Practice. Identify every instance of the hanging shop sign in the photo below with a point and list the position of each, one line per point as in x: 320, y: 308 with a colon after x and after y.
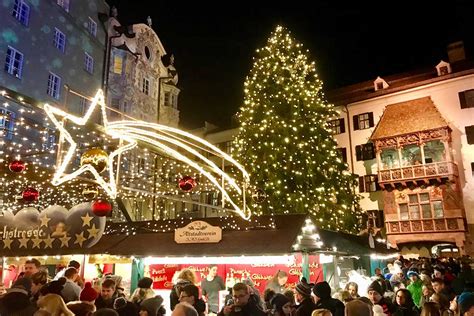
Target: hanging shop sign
x: 198, y: 232
x: 53, y: 228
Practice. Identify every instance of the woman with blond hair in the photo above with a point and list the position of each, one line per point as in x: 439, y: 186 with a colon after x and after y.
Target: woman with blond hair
x: 54, y: 304
x: 184, y: 277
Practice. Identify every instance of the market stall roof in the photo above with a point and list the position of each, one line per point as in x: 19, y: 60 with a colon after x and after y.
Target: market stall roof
x: 262, y: 235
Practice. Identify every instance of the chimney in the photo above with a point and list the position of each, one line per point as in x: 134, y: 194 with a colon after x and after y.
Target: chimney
x: 456, y: 52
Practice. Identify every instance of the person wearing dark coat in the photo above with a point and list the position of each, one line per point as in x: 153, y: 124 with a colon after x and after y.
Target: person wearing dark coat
x: 375, y: 294
x: 303, y: 296
x: 17, y: 300
x: 124, y: 307
x: 323, y: 299
x: 244, y: 303
x: 190, y: 295
x: 404, y: 305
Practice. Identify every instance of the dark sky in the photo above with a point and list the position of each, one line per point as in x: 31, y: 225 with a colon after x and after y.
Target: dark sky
x: 351, y: 42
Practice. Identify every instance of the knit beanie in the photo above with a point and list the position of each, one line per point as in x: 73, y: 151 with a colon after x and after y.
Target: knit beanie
x: 375, y: 286
x: 358, y: 308
x: 303, y: 287
x: 145, y: 283
x: 322, y: 290
x: 465, y: 301
x: 278, y: 301
x: 152, y: 305
x: 88, y: 293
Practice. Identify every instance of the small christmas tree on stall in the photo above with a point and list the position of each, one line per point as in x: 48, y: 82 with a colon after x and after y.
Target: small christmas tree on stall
x: 285, y: 141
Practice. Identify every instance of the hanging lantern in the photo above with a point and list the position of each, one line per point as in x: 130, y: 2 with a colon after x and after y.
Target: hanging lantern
x: 17, y: 166
x: 101, y: 208
x: 90, y: 192
x: 95, y: 157
x: 30, y: 195
x: 187, y: 183
x: 258, y: 196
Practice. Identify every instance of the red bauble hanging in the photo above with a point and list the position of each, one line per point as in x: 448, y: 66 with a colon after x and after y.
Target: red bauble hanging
x: 17, y: 166
x: 187, y: 183
x: 101, y: 208
x: 30, y: 195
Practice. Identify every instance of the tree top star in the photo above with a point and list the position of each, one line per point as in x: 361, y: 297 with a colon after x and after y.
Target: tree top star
x: 60, y: 176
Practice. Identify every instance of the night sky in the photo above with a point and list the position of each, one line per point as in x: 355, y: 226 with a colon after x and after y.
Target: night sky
x: 351, y: 42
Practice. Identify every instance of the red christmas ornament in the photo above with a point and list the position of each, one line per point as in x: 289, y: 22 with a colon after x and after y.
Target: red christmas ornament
x: 101, y: 208
x: 30, y: 195
x: 187, y: 183
x: 17, y: 166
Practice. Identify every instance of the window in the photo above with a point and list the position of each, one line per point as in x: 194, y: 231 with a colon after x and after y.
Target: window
x: 64, y: 4
x: 59, y: 40
x: 443, y: 70
x: 84, y: 105
x: 470, y: 134
x: 373, y: 218
x: 7, y: 123
x: 88, y: 63
x: 466, y: 98
x: 379, y: 85
x: 368, y: 183
x: 365, y: 152
x: 167, y: 98
x: 141, y: 165
x: 420, y: 206
x: 363, y: 121
x: 337, y: 126
x: 115, y: 103
x: 118, y: 63
x: 225, y: 146
x: 146, y: 86
x: 92, y: 27
x: 49, y: 139
x: 343, y: 153
x: 21, y: 12
x: 54, y: 86
x: 14, y: 62
x: 213, y: 198
x: 125, y: 107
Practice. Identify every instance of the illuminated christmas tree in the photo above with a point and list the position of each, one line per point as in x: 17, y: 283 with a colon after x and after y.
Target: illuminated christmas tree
x: 285, y: 141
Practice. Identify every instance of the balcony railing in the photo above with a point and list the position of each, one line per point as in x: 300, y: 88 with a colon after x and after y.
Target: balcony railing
x: 425, y: 225
x: 415, y: 172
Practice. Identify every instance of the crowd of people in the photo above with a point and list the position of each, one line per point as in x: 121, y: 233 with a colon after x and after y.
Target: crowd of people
x: 422, y: 287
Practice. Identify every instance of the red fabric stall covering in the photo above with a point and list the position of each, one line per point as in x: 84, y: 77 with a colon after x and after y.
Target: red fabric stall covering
x: 260, y: 274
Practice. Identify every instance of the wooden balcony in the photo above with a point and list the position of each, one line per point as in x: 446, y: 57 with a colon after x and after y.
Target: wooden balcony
x: 433, y: 225
x: 436, y: 170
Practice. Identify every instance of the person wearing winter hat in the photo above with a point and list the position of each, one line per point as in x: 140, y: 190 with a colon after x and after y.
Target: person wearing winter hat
x: 124, y: 307
x: 281, y: 305
x: 357, y: 308
x: 466, y: 303
x: 415, y: 287
x: 375, y: 294
x: 145, y: 283
x: 88, y: 294
x: 303, y: 298
x: 322, y: 298
x: 151, y: 306
x: 190, y: 294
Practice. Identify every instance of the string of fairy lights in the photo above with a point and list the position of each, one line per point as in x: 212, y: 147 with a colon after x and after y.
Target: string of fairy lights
x: 285, y: 140
x: 143, y: 173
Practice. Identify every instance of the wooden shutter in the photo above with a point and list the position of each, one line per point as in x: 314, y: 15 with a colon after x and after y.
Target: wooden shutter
x: 470, y: 134
x: 359, y: 156
x: 361, y: 184
x: 371, y: 119
x: 462, y: 99
x: 343, y: 127
x: 355, y: 120
x: 343, y: 153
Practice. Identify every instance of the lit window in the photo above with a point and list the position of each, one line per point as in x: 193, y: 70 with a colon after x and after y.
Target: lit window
x: 14, y: 62
x: 7, y: 123
x: 363, y: 121
x: 92, y: 27
x: 59, y: 40
x: 337, y: 126
x: 88, y: 63
x: 54, y: 85
x: 420, y: 206
x: 49, y: 139
x: 146, y: 86
x: 118, y: 62
x: 21, y: 12
x: 64, y: 4
x: 365, y: 152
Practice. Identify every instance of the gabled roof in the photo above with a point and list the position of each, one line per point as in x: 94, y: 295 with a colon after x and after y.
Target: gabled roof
x: 408, y: 117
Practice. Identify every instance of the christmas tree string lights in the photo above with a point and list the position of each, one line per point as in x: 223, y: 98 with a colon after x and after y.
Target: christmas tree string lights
x: 285, y: 140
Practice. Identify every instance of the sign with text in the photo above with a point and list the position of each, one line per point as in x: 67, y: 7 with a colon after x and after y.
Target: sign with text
x: 198, y: 232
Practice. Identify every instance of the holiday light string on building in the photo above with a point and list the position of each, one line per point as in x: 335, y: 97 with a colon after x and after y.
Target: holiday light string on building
x: 122, y: 130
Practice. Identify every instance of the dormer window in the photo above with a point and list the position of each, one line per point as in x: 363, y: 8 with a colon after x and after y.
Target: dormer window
x: 443, y: 68
x: 380, y: 84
